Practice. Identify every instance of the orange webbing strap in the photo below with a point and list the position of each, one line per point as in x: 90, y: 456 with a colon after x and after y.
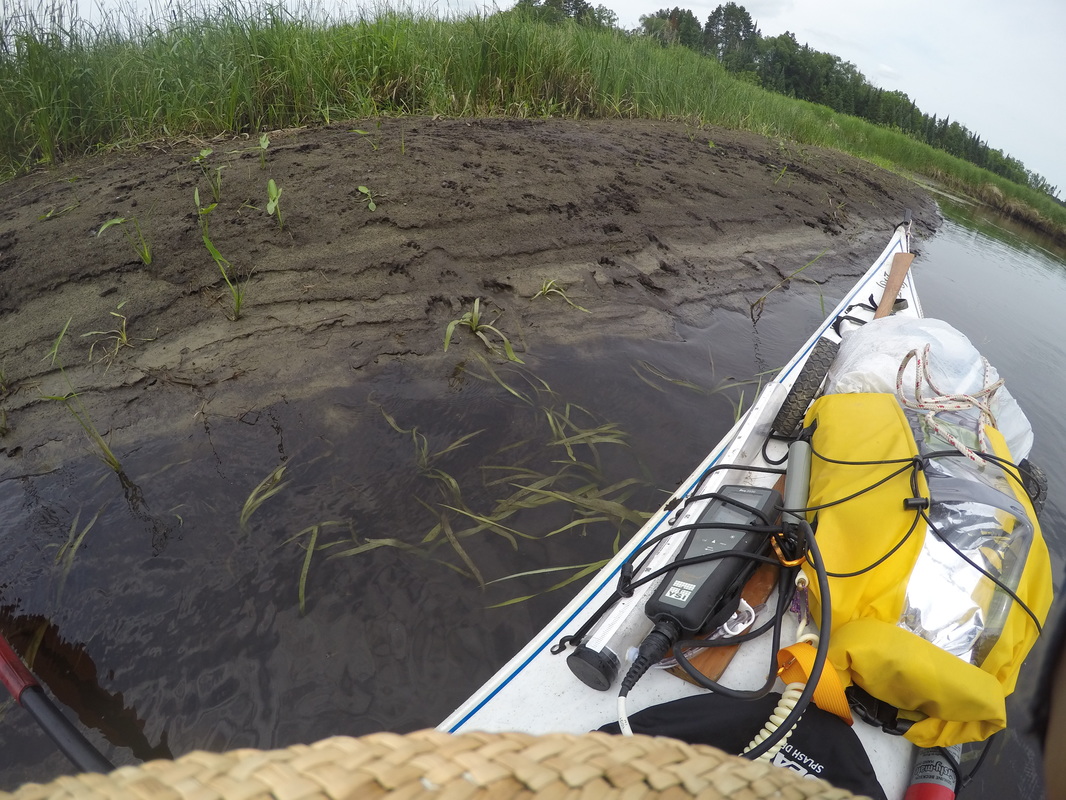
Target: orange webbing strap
x: 794, y: 666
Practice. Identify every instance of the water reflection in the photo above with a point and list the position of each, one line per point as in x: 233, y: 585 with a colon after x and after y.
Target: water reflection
x: 70, y: 674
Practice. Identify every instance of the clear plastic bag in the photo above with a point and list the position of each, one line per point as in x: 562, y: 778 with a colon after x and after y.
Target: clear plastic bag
x: 869, y: 360
x: 977, y: 526
x: 949, y: 602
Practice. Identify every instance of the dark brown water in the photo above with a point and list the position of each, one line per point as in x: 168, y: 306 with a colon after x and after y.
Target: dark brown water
x: 174, y: 627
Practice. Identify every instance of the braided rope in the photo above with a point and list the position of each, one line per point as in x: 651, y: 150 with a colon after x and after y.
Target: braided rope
x: 434, y: 764
x: 941, y: 401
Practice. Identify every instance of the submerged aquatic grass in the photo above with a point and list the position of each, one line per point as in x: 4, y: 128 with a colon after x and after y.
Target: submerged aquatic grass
x: 310, y: 547
x: 522, y: 476
x: 69, y: 549
x: 756, y: 307
x: 271, y: 485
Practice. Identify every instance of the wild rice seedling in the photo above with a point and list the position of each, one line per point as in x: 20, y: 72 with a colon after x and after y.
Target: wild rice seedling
x: 55, y: 212
x: 135, y: 237
x: 234, y: 284
x: 550, y: 287
x: 373, y: 141
x: 119, y: 337
x: 444, y: 526
x: 309, y: 550
x: 567, y: 434
x: 264, y: 143
x: 472, y: 320
x: 69, y: 550
x: 756, y: 308
x: 423, y: 458
x: 273, y: 206
x: 579, y: 571
x: 214, y: 177
x: 264, y: 490
x: 496, y: 377
x: 77, y: 409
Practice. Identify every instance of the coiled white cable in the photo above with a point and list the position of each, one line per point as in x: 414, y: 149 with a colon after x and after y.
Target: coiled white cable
x: 788, y: 701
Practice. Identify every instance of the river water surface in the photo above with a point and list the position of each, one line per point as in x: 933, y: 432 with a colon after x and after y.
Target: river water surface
x: 170, y: 616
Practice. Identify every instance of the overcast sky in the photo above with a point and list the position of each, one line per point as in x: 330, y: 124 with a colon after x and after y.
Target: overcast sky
x: 996, y: 66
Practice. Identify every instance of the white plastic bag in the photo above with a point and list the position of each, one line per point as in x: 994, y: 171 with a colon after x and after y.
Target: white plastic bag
x: 870, y: 356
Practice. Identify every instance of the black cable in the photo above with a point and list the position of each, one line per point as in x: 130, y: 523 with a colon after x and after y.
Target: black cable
x: 766, y: 455
x: 953, y: 763
x: 885, y: 557
x: 684, y: 501
x: 914, y: 526
x: 629, y: 569
x: 703, y: 559
x: 991, y: 740
x: 732, y: 501
x: 912, y: 464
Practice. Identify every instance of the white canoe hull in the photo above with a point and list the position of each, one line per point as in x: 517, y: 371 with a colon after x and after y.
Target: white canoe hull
x: 535, y: 692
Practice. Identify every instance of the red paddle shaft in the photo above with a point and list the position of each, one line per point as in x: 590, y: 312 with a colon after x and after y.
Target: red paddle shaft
x: 13, y: 673
x: 28, y: 693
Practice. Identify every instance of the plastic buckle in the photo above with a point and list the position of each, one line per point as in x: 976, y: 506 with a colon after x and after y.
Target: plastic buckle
x: 876, y: 712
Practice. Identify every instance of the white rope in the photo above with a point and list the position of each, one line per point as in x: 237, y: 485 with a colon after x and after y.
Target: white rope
x: 929, y: 407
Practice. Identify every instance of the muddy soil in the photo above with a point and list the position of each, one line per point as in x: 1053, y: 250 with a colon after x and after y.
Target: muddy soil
x: 642, y: 223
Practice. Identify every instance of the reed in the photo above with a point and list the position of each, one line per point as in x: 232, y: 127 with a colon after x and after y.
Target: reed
x: 70, y: 86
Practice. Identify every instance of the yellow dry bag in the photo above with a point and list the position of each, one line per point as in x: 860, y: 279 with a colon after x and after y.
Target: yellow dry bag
x: 917, y: 621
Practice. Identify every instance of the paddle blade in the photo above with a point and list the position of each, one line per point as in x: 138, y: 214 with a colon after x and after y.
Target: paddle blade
x: 901, y: 263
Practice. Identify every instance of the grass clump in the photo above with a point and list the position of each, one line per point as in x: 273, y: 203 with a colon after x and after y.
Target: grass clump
x: 118, y: 337
x: 214, y: 176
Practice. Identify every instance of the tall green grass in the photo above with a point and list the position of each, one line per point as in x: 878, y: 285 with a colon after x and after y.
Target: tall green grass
x: 69, y: 86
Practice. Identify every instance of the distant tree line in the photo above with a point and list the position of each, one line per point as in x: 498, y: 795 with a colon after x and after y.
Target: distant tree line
x: 782, y: 64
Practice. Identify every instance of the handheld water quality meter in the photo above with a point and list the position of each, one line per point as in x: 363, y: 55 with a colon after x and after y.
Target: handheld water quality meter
x: 700, y: 597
